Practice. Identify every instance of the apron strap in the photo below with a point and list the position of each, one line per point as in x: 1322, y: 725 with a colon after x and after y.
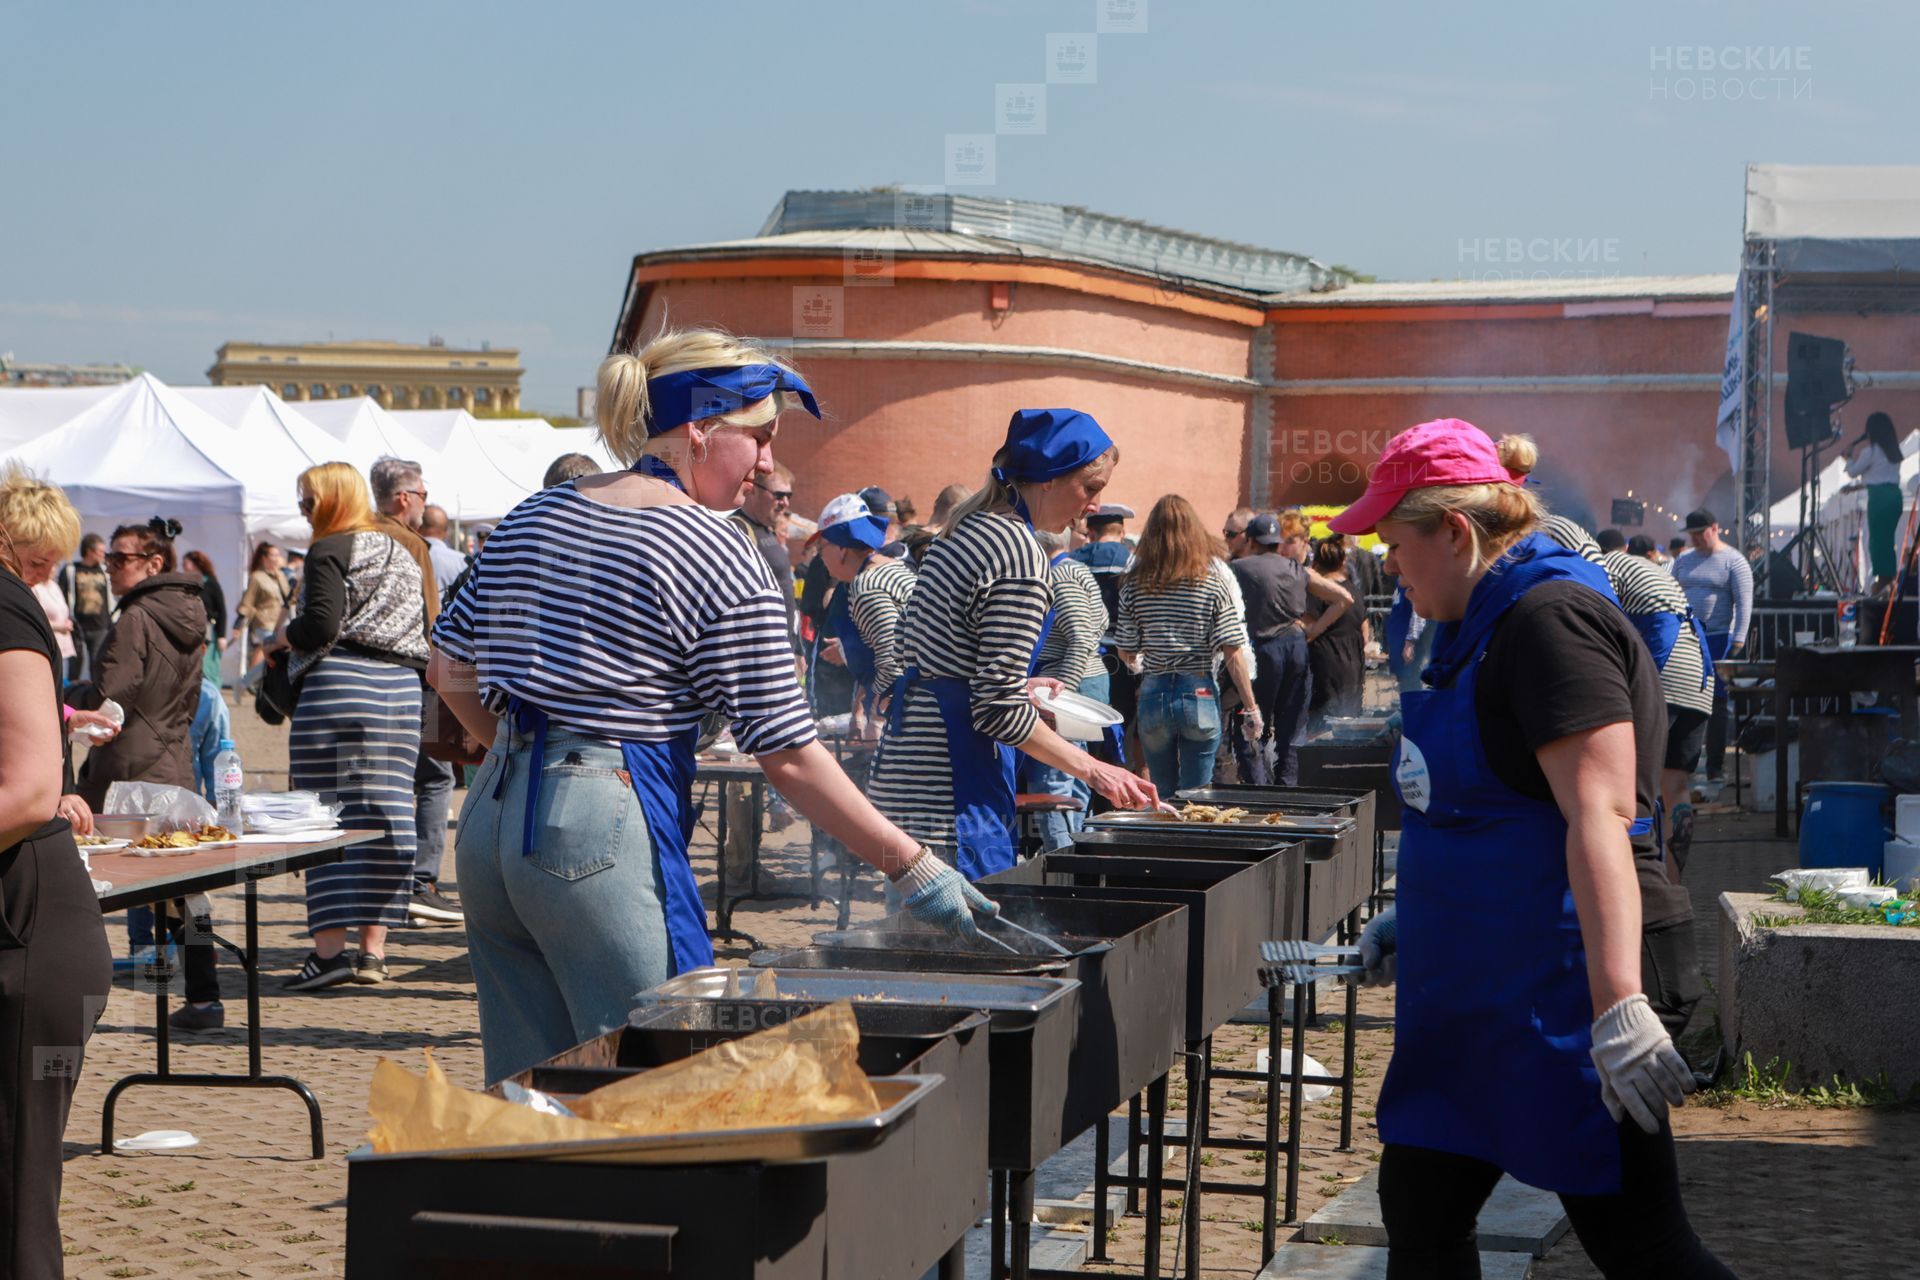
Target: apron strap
x: 662, y: 777
x: 527, y: 718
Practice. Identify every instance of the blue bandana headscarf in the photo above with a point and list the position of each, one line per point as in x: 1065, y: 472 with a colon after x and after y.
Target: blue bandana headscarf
x: 674, y: 399
x: 1045, y: 444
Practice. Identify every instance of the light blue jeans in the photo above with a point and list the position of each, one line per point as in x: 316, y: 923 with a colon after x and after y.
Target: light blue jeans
x: 1056, y: 829
x: 561, y: 940
x: 1179, y: 730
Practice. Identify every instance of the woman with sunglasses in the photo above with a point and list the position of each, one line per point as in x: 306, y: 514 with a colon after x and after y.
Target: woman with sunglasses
x: 606, y: 620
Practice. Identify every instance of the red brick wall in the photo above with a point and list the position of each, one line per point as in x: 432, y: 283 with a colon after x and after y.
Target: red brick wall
x: 913, y: 426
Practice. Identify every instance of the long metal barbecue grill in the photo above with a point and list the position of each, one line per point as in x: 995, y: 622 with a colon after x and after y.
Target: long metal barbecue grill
x: 800, y: 1203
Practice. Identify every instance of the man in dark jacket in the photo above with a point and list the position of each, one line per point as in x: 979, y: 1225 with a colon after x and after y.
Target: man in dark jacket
x: 90, y: 600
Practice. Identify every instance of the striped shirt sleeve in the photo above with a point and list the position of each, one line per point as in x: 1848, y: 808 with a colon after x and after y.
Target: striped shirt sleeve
x: 1229, y: 620
x: 879, y: 604
x: 741, y: 657
x: 1009, y: 615
x: 453, y: 633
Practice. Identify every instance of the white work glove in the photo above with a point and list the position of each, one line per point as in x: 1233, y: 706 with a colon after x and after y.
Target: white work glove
x: 1641, y: 1073
x: 1379, y: 950
x: 934, y: 893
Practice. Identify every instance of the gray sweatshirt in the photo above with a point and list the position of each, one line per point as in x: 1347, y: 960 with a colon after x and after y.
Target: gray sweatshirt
x: 1720, y: 589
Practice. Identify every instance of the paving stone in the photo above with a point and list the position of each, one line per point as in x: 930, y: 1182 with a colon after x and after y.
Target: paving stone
x: 1517, y: 1218
x: 1053, y: 1249
x: 1363, y: 1262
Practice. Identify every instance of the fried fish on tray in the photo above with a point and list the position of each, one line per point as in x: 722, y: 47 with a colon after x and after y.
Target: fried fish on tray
x: 1210, y: 813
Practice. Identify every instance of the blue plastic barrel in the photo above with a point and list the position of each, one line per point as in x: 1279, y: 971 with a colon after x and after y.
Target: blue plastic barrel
x: 1844, y: 825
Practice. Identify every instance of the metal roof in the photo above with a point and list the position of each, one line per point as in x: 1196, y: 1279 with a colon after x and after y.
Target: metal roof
x: 1575, y: 289
x: 973, y: 226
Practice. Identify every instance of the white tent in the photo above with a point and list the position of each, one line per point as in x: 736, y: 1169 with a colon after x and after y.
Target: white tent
x: 360, y: 424
x: 27, y: 413
x: 145, y: 450
x: 1843, y: 516
x: 285, y: 444
x: 470, y: 470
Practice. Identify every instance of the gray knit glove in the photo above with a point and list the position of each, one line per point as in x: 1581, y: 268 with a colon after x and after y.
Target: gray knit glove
x: 1641, y: 1073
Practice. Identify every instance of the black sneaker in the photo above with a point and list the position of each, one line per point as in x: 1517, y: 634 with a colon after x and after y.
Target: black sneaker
x: 370, y: 970
x: 430, y: 906
x: 189, y: 1018
x: 317, y: 973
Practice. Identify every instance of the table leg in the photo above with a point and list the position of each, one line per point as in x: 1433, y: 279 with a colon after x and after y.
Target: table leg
x: 722, y: 912
x: 1346, y: 1071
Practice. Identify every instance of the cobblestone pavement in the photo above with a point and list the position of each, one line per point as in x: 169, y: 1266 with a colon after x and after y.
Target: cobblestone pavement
x: 249, y: 1202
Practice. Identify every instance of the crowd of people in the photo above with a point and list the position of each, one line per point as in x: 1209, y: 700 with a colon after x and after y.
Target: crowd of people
x: 614, y: 624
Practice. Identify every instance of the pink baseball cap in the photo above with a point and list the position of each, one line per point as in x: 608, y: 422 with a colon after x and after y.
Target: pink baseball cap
x: 1445, y: 451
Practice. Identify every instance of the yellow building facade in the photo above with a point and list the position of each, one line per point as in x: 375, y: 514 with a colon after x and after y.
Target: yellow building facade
x: 400, y: 375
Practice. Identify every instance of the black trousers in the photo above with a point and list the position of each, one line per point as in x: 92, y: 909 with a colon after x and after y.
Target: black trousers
x: 1283, y: 686
x: 54, y: 975
x: 1429, y: 1201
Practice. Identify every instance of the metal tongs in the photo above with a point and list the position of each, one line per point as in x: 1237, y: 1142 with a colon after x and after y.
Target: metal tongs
x: 1297, y: 963
x: 1040, y: 938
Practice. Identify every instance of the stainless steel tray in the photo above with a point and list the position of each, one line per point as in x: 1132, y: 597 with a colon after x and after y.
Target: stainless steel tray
x: 1013, y: 1000
x: 1297, y: 824
x: 898, y: 1096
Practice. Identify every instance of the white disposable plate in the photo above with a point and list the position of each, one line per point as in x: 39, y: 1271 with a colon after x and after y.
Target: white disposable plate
x: 213, y: 844
x: 303, y: 836
x: 1075, y: 715
x: 111, y: 846
x: 157, y: 1140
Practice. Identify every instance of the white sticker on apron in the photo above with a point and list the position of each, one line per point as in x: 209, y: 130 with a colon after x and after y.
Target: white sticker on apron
x: 1415, y: 784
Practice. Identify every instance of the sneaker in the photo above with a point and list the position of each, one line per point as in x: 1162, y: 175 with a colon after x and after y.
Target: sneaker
x: 317, y: 973
x: 430, y: 906
x: 370, y: 970
x: 1682, y: 842
x: 189, y: 1018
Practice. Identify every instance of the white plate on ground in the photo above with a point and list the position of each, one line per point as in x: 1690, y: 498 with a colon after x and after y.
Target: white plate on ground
x: 157, y: 1140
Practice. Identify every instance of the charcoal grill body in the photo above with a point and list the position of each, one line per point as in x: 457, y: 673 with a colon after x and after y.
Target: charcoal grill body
x: 894, y: 1210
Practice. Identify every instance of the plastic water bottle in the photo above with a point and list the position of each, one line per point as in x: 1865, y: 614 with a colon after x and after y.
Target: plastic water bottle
x: 1849, y: 624
x: 229, y: 784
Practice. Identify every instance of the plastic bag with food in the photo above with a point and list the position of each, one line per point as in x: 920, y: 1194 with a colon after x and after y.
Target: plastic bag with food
x: 172, y: 808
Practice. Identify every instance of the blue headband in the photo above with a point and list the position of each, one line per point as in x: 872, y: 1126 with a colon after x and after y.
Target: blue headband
x: 1045, y: 444
x: 861, y: 531
x: 674, y: 399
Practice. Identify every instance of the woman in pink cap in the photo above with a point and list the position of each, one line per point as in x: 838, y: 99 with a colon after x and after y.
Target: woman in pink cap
x: 1528, y: 766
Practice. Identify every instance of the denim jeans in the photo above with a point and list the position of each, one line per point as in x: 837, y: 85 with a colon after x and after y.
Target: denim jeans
x: 1055, y: 830
x: 1718, y: 642
x: 432, y: 798
x: 1179, y: 729
x: 561, y: 940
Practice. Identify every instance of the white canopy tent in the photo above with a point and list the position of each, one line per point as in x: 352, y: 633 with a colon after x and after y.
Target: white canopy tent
x: 146, y: 450
x: 27, y: 413
x: 461, y: 474
x: 1842, y: 520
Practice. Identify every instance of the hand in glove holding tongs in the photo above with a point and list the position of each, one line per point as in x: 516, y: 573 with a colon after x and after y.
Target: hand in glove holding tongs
x: 934, y: 893
x: 1379, y: 950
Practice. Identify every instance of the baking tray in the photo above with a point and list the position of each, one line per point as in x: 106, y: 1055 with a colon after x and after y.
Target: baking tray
x: 898, y: 1096
x: 1296, y: 825
x: 1011, y: 1001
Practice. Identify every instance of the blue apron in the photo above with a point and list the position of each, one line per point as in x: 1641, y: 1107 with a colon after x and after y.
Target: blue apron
x: 853, y: 646
x: 1492, y: 1025
x: 985, y: 814
x: 1661, y: 631
x: 661, y: 774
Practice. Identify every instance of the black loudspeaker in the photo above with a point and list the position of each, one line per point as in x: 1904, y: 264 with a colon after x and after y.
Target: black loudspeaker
x: 1816, y: 381
x: 1626, y: 512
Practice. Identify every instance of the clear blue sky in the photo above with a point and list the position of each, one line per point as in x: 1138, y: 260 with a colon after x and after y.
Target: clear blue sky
x: 178, y: 175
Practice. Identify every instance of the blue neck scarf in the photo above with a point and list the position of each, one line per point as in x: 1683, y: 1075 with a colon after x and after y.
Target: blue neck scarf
x: 675, y: 399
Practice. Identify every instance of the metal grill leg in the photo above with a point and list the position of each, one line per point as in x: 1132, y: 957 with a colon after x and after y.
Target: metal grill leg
x: 1022, y: 1215
x: 1134, y: 1138
x: 1102, y: 1157
x: 997, y: 1263
x: 1156, y: 1172
x: 1295, y: 1099
x: 1270, y: 1181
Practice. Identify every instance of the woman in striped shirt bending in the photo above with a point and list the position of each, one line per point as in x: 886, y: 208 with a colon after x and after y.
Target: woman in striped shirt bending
x: 1176, y: 613
x: 945, y: 769
x: 607, y: 617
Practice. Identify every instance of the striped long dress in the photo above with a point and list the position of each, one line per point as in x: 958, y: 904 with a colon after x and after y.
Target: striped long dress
x: 975, y: 615
x: 356, y: 740
x: 355, y: 736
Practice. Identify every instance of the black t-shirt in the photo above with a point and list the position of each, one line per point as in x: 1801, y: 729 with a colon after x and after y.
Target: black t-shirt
x: 23, y: 625
x: 1563, y: 660
x: 1275, y: 589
